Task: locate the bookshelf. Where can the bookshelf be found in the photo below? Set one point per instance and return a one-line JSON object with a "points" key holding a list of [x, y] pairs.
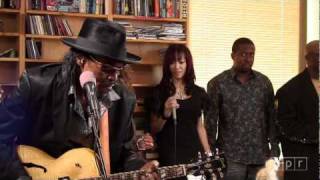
{"points": [[11, 19], [16, 31]]}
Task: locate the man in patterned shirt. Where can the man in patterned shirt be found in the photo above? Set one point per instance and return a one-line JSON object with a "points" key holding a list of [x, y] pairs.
{"points": [[242, 112]]}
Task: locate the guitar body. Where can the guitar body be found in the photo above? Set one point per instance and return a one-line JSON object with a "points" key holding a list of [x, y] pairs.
{"points": [[81, 164], [75, 164]]}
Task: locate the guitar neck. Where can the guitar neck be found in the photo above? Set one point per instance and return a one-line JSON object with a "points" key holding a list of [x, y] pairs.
{"points": [[127, 175], [168, 172]]}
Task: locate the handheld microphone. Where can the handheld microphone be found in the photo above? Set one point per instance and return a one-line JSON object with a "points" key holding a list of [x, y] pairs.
{"points": [[88, 83], [174, 115]]}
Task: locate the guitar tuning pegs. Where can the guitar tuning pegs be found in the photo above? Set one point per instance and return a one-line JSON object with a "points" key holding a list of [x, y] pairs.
{"points": [[214, 177], [208, 154], [199, 157], [221, 174], [217, 152], [202, 172]]}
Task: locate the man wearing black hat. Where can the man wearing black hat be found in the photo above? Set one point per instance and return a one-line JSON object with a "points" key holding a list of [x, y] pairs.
{"points": [[49, 108]]}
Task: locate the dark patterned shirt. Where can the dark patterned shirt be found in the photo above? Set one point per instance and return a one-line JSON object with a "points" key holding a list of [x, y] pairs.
{"points": [[243, 116]]}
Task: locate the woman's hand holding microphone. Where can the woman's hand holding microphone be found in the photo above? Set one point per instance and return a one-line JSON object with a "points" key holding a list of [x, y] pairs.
{"points": [[170, 107]]}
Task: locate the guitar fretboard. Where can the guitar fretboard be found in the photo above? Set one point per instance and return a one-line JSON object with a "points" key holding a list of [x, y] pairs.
{"points": [[132, 175], [167, 172], [170, 172]]}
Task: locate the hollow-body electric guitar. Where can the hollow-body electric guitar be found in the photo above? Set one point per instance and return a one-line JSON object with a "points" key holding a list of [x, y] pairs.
{"points": [[80, 164]]}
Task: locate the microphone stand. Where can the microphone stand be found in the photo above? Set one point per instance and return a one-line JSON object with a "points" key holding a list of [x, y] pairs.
{"points": [[175, 136], [94, 117]]}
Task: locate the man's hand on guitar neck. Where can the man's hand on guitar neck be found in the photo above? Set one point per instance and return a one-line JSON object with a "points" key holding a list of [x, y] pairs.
{"points": [[150, 168]]}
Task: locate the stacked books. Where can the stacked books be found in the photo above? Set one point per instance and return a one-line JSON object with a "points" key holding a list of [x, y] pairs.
{"points": [[172, 31], [33, 49], [130, 30], [151, 8], [11, 4], [167, 31], [47, 25], [76, 6], [148, 32]]}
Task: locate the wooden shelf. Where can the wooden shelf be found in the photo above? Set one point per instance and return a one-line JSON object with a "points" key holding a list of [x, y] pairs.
{"points": [[59, 13], [7, 10], [144, 18], [43, 60], [7, 59], [9, 34], [38, 36], [155, 41]]}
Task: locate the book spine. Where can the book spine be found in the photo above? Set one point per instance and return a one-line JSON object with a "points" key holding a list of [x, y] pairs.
{"points": [[82, 6], [156, 8], [177, 8], [184, 9]]}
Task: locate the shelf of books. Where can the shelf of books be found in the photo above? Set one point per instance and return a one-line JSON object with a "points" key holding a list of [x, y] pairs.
{"points": [[174, 41], [43, 60], [147, 18], [73, 14], [152, 22], [35, 36], [94, 7]]}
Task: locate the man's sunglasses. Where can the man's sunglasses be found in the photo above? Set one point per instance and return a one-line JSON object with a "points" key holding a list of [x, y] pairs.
{"points": [[107, 68]]}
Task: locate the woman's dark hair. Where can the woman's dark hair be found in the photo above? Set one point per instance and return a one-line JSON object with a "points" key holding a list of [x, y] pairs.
{"points": [[174, 53]]}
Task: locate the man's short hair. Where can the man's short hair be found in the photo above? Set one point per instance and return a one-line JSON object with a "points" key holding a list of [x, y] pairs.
{"points": [[239, 42], [311, 47]]}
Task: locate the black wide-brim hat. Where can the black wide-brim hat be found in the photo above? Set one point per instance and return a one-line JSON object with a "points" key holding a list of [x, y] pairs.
{"points": [[104, 39]]}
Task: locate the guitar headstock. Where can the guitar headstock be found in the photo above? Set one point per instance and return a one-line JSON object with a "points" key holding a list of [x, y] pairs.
{"points": [[208, 166]]}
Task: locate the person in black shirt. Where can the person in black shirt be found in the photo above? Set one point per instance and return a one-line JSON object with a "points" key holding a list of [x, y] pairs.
{"points": [[178, 91], [298, 119]]}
